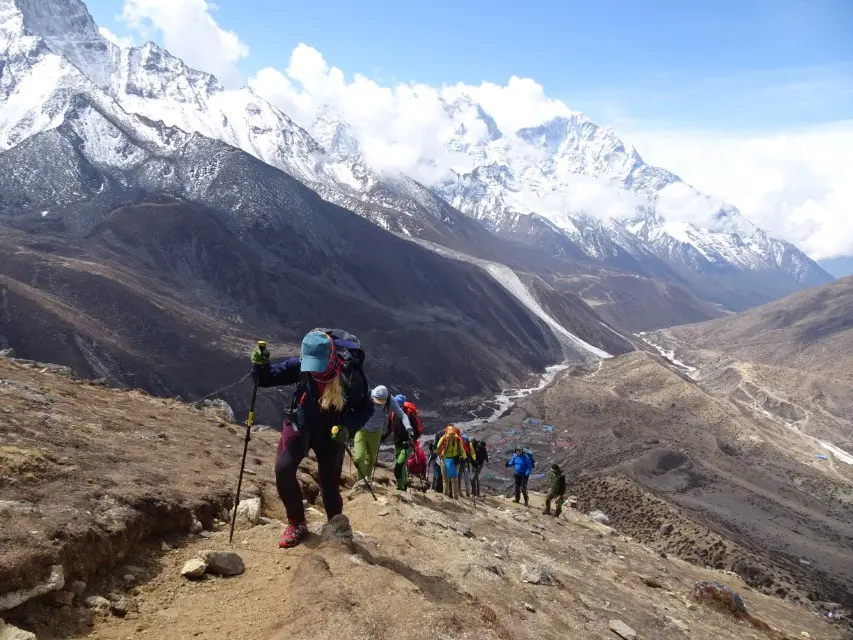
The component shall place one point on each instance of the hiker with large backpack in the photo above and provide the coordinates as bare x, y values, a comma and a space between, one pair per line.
367, 440
331, 391
403, 438
557, 490
522, 467
450, 450
481, 457
417, 463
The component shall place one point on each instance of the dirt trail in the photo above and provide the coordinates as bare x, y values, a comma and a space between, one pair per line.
101, 495
422, 566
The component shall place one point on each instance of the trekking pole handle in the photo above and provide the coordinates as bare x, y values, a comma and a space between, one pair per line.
251, 420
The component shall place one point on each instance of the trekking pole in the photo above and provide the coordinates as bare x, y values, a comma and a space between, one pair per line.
375, 462
249, 423
352, 459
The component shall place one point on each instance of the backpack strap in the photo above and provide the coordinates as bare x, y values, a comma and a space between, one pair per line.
299, 394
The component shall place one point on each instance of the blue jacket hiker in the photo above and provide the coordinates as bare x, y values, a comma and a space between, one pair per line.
331, 391
522, 466
521, 463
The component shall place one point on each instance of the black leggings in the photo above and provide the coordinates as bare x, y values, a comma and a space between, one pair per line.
437, 483
475, 479
521, 487
293, 447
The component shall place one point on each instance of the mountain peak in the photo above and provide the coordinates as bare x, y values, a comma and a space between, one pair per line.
68, 29
466, 111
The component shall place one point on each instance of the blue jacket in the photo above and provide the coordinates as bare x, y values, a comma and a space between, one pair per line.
521, 463
307, 413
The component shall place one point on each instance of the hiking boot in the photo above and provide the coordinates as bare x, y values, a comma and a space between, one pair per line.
515, 500
295, 533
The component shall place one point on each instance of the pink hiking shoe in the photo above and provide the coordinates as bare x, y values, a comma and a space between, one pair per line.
295, 533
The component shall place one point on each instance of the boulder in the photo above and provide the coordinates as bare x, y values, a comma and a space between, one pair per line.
666, 529
599, 516
121, 607
194, 569
98, 603
196, 526
220, 409
54, 582
534, 574
338, 529
249, 511
223, 563
720, 597
622, 630
78, 588
8, 632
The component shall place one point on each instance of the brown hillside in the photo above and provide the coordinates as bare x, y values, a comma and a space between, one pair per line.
96, 481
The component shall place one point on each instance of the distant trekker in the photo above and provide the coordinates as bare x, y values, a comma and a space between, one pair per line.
404, 436
450, 449
433, 462
465, 463
556, 491
367, 439
481, 457
522, 466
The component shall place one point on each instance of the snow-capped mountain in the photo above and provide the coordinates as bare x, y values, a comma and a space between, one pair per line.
586, 183
150, 82
566, 185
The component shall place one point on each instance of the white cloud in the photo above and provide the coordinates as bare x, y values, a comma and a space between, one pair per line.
796, 185
404, 127
521, 103
190, 33
399, 128
120, 41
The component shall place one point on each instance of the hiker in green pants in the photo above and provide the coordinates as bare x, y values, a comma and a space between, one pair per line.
368, 438
401, 427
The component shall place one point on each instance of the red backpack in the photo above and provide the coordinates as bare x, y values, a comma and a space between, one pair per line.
417, 462
412, 411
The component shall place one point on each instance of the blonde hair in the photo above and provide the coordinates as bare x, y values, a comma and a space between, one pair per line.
333, 395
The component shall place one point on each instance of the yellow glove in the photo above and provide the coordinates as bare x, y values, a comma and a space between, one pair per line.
340, 434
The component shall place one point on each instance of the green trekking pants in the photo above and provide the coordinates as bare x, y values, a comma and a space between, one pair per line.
366, 445
401, 469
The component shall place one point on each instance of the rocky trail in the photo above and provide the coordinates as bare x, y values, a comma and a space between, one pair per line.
107, 495
420, 566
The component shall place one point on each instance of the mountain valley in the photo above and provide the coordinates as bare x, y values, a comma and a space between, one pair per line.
154, 224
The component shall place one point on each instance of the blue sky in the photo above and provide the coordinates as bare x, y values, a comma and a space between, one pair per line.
747, 65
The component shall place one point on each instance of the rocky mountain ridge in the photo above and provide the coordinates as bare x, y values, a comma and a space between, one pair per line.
518, 183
